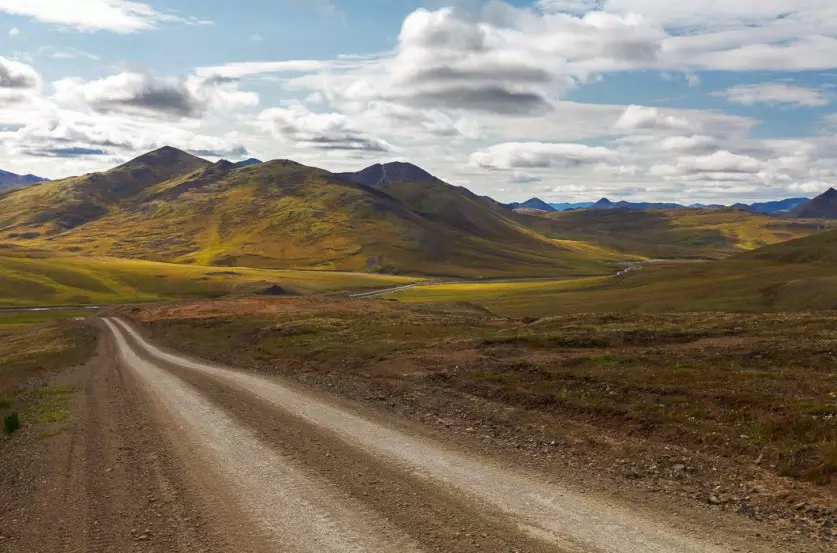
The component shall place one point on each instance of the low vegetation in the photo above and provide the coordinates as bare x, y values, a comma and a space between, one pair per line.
745, 387
11, 423
39, 277
675, 234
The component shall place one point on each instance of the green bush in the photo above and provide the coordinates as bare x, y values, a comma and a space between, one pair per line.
11, 423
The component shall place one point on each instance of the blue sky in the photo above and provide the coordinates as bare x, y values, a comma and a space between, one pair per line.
567, 100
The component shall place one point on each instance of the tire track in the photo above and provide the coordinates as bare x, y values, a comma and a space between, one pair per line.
551, 513
296, 514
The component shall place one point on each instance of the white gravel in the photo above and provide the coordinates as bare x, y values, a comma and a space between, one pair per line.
299, 514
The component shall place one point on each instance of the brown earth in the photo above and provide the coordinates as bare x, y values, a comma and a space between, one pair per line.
126, 474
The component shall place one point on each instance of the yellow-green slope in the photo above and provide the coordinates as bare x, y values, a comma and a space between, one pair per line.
284, 215
29, 278
674, 234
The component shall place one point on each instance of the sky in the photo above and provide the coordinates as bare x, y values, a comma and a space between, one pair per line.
567, 100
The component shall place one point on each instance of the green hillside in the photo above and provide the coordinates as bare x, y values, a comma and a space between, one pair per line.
30, 277
792, 276
674, 234
284, 215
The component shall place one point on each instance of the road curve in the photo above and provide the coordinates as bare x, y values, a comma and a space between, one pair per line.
273, 489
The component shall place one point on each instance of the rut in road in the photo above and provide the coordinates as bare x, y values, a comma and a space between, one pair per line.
300, 515
567, 519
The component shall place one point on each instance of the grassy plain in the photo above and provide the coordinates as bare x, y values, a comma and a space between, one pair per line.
31, 277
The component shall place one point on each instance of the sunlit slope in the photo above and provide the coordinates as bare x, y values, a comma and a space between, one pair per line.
42, 278
675, 234
792, 276
282, 214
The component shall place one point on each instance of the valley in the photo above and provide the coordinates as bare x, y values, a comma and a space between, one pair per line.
402, 365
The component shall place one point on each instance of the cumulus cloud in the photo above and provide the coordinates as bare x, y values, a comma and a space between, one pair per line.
16, 75
323, 131
521, 155
14, 31
649, 118
120, 16
146, 94
719, 163
775, 94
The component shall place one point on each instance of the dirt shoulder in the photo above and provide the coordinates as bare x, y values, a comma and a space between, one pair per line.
108, 477
481, 381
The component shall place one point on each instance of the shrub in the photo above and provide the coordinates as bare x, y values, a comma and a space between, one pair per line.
11, 423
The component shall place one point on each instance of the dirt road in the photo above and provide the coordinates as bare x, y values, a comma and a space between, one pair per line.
176, 454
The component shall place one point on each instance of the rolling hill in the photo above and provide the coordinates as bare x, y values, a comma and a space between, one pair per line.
799, 275
672, 234
169, 206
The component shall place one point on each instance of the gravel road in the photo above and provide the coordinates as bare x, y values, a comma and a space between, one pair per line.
300, 510
173, 454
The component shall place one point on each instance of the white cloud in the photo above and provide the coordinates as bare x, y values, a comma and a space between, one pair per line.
16, 76
120, 16
722, 163
143, 93
321, 131
518, 155
255, 68
647, 118
775, 94
14, 31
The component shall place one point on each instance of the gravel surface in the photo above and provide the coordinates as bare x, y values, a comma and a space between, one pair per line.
556, 515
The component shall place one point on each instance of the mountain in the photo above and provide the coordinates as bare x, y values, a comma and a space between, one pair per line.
249, 162
534, 203
604, 203
379, 176
568, 206
170, 206
778, 206
823, 206
9, 180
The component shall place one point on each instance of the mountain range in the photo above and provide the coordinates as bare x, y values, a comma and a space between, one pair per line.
168, 205
394, 218
10, 180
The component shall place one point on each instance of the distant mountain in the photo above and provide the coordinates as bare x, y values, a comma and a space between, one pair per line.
823, 206
249, 162
568, 206
534, 203
383, 175
604, 203
778, 206
8, 180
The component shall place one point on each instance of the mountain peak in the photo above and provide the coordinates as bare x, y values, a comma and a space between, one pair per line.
383, 175
168, 155
249, 162
823, 206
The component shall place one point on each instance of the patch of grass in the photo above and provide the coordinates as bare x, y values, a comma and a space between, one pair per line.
49, 391
611, 360
11, 423
50, 404
45, 434
5, 403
